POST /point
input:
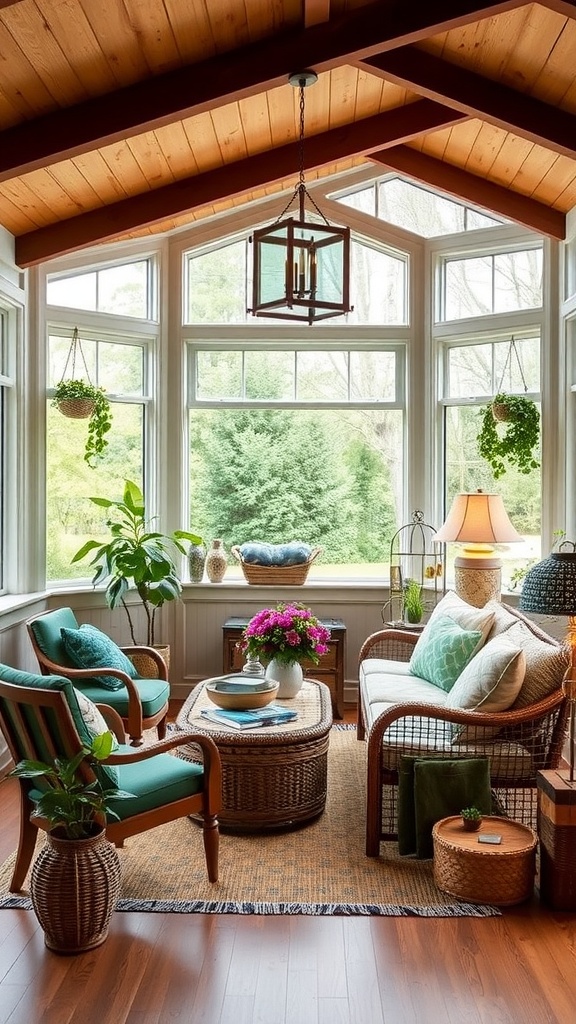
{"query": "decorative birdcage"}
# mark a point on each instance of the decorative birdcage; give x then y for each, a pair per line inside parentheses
(416, 568)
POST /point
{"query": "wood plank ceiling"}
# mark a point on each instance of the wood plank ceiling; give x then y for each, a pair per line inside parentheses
(121, 117)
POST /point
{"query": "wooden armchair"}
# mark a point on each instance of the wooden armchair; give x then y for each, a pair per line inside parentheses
(519, 743)
(141, 703)
(41, 720)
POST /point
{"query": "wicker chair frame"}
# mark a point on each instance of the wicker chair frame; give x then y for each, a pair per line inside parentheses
(533, 737)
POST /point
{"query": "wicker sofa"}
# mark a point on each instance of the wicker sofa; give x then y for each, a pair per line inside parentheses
(399, 713)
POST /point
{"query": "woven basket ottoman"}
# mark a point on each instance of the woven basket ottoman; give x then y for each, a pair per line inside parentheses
(476, 872)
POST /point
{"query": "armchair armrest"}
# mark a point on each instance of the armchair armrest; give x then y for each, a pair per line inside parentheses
(113, 721)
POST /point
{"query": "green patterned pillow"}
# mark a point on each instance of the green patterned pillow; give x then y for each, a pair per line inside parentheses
(88, 647)
(443, 651)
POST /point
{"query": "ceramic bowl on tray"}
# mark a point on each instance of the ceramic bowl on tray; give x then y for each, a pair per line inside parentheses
(240, 692)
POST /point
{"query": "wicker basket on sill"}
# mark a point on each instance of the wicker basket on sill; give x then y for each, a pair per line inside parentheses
(275, 575)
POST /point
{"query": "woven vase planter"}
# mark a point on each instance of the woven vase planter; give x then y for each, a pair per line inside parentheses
(77, 408)
(74, 887)
(145, 666)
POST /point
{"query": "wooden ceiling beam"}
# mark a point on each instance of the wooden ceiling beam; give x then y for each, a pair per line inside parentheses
(235, 179)
(477, 96)
(463, 185)
(229, 77)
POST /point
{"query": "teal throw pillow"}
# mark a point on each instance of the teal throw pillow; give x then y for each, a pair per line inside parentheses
(88, 647)
(443, 651)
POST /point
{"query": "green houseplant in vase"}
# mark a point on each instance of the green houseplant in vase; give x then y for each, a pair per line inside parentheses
(509, 434)
(75, 879)
(412, 603)
(136, 556)
(283, 637)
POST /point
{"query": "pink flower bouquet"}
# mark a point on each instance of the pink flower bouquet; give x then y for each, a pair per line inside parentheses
(288, 632)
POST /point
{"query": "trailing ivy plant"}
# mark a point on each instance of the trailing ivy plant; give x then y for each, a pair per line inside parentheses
(100, 419)
(513, 442)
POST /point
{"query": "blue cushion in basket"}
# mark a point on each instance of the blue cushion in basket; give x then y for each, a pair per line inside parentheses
(258, 552)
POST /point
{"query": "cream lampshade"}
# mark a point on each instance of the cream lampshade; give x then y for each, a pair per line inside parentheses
(478, 521)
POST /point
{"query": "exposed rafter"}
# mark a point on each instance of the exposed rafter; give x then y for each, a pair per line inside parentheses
(229, 77)
(478, 96)
(463, 185)
(359, 138)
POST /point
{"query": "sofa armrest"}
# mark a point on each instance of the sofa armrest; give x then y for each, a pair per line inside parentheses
(390, 644)
(541, 726)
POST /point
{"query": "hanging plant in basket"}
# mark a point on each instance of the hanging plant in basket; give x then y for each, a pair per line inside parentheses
(79, 399)
(510, 434)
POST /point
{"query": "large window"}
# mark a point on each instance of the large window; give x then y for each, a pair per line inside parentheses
(473, 373)
(493, 283)
(118, 365)
(299, 444)
(217, 283)
(125, 289)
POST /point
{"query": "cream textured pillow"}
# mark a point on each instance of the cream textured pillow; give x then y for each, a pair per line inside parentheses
(492, 680)
(503, 619)
(464, 614)
(545, 665)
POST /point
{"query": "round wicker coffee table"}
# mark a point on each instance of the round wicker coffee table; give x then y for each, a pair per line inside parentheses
(272, 777)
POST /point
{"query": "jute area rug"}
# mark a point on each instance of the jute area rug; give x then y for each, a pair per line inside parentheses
(318, 869)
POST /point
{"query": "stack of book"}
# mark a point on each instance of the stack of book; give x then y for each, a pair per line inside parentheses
(272, 714)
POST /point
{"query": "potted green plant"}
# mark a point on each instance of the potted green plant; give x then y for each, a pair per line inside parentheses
(79, 400)
(412, 603)
(136, 556)
(75, 879)
(514, 443)
(471, 818)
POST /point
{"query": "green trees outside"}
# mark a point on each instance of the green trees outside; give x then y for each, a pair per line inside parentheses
(279, 475)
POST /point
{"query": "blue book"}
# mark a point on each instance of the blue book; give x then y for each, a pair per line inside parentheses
(272, 714)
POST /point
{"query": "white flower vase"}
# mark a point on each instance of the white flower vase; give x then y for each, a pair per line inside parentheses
(290, 676)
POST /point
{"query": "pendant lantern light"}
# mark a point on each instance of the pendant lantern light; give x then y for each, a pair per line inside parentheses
(301, 268)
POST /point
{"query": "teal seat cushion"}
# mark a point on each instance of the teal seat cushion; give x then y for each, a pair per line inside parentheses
(89, 647)
(155, 782)
(443, 651)
(154, 694)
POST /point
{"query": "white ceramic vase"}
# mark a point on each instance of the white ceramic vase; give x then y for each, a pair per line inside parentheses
(289, 676)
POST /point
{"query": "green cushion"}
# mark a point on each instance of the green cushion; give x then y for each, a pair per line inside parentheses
(88, 647)
(155, 782)
(154, 694)
(443, 651)
(47, 633)
(429, 790)
(85, 727)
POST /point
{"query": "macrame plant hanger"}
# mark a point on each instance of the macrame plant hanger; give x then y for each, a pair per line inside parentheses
(499, 409)
(76, 408)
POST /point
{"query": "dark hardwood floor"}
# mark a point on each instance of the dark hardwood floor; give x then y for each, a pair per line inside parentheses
(225, 969)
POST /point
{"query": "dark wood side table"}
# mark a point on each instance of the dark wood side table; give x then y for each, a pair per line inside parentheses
(330, 669)
(557, 831)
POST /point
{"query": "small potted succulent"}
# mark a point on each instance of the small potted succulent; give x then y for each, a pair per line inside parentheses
(471, 818)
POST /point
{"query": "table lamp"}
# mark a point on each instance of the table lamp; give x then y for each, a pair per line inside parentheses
(549, 588)
(478, 521)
